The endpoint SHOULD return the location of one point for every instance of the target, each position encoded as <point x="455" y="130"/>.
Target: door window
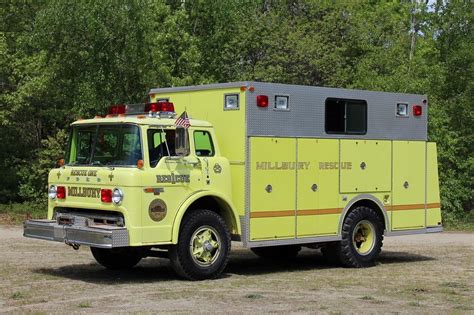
<point x="203" y="143"/>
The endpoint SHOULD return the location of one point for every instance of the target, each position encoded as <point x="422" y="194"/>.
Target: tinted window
<point x="346" y="116"/>
<point x="203" y="143"/>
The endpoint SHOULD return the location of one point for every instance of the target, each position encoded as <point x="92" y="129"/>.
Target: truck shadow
<point x="241" y="262"/>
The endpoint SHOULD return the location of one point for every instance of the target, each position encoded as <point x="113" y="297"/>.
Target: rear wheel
<point x="362" y="238"/>
<point x="203" y="248"/>
<point x="277" y="252"/>
<point x="116" y="258"/>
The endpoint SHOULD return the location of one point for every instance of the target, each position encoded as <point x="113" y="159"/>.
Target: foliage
<point x="64" y="59"/>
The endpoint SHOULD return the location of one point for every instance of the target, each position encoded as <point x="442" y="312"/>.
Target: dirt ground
<point x="415" y="274"/>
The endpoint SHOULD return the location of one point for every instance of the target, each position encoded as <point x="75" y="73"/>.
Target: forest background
<point x="65" y="59"/>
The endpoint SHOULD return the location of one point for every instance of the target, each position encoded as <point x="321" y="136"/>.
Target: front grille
<point x="70" y="216"/>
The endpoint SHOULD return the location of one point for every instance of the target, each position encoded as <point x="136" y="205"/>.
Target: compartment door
<point x="370" y="163"/>
<point x="317" y="194"/>
<point x="272" y="188"/>
<point x="408" y="201"/>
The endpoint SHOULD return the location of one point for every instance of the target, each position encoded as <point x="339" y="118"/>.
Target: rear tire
<point x="284" y="252"/>
<point x="203" y="248"/>
<point x="116" y="258"/>
<point x="362" y="238"/>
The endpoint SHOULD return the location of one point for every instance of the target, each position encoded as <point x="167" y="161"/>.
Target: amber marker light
<point x="243" y="88"/>
<point x="60" y="162"/>
<point x="140" y="164"/>
<point x="251" y="89"/>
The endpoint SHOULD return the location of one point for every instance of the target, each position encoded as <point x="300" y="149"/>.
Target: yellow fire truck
<point x="274" y="166"/>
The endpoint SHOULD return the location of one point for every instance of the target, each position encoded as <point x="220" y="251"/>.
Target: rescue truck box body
<point x="280" y="164"/>
<point x="315" y="176"/>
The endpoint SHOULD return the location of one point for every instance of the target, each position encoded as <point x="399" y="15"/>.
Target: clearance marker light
<point x="262" y="101"/>
<point x="417" y="110"/>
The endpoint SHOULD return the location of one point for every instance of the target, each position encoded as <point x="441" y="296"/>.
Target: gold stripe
<point x="287" y="213"/>
<point x="272" y="214"/>
<point x="320" y="211"/>
<point x="419" y="206"/>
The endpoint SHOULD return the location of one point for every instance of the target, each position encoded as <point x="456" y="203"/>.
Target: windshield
<point x="111" y="145"/>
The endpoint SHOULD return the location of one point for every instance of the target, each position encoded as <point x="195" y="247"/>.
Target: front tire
<point x="116" y="258"/>
<point x="362" y="238"/>
<point x="203" y="248"/>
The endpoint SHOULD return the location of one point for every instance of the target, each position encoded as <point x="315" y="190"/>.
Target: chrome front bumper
<point x="100" y="235"/>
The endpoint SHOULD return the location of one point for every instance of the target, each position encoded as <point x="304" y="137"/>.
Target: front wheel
<point x="203" y="248"/>
<point x="362" y="238"/>
<point x="116" y="258"/>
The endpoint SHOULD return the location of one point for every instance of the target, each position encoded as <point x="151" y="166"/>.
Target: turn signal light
<point x="61" y="192"/>
<point x="262" y="101"/>
<point x="105" y="195"/>
<point x="417" y="110"/>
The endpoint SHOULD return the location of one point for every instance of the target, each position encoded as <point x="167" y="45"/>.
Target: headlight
<point x="52" y="192"/>
<point x="117" y="196"/>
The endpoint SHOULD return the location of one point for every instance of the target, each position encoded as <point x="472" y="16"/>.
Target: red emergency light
<point x="417" y="110"/>
<point x="117" y="109"/>
<point x="262" y="101"/>
<point x="159" y="107"/>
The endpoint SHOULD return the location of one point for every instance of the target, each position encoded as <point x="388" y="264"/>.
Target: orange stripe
<point x="287" y="213"/>
<point x="271" y="214"/>
<point x="319" y="211"/>
<point x="419" y="206"/>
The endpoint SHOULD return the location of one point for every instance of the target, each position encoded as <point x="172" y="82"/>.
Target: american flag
<point x="183" y="120"/>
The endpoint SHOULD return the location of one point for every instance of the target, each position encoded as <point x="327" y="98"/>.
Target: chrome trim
<point x="102" y="236"/>
<point x="292" y="241"/>
<point x="434" y="229"/>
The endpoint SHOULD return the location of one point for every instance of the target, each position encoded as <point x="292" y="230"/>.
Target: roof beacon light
<point x="116" y="109"/>
<point x="262" y="101"/>
<point x="159" y="107"/>
<point x="417" y="110"/>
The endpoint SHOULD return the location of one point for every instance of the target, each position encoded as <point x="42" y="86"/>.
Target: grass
<point x="18" y="295"/>
<point x="465" y="224"/>
<point x="84" y="305"/>
<point x="254" y="296"/>
<point x="16" y="213"/>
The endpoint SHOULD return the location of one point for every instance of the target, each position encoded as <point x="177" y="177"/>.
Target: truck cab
<point x="127" y="180"/>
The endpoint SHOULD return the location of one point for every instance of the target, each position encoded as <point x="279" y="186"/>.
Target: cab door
<point x="167" y="182"/>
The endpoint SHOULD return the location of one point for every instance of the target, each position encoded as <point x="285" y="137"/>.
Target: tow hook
<point x="73" y="245"/>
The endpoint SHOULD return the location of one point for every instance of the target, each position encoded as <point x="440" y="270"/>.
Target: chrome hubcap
<point x="205" y="246"/>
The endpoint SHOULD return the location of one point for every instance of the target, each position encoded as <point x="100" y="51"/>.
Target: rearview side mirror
<point x="182" y="142"/>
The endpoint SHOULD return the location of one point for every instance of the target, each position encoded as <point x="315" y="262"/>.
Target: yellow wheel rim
<point x="363" y="237"/>
<point x="205" y="246"/>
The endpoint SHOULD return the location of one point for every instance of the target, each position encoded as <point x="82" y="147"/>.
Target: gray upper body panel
<point x="306" y="114"/>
